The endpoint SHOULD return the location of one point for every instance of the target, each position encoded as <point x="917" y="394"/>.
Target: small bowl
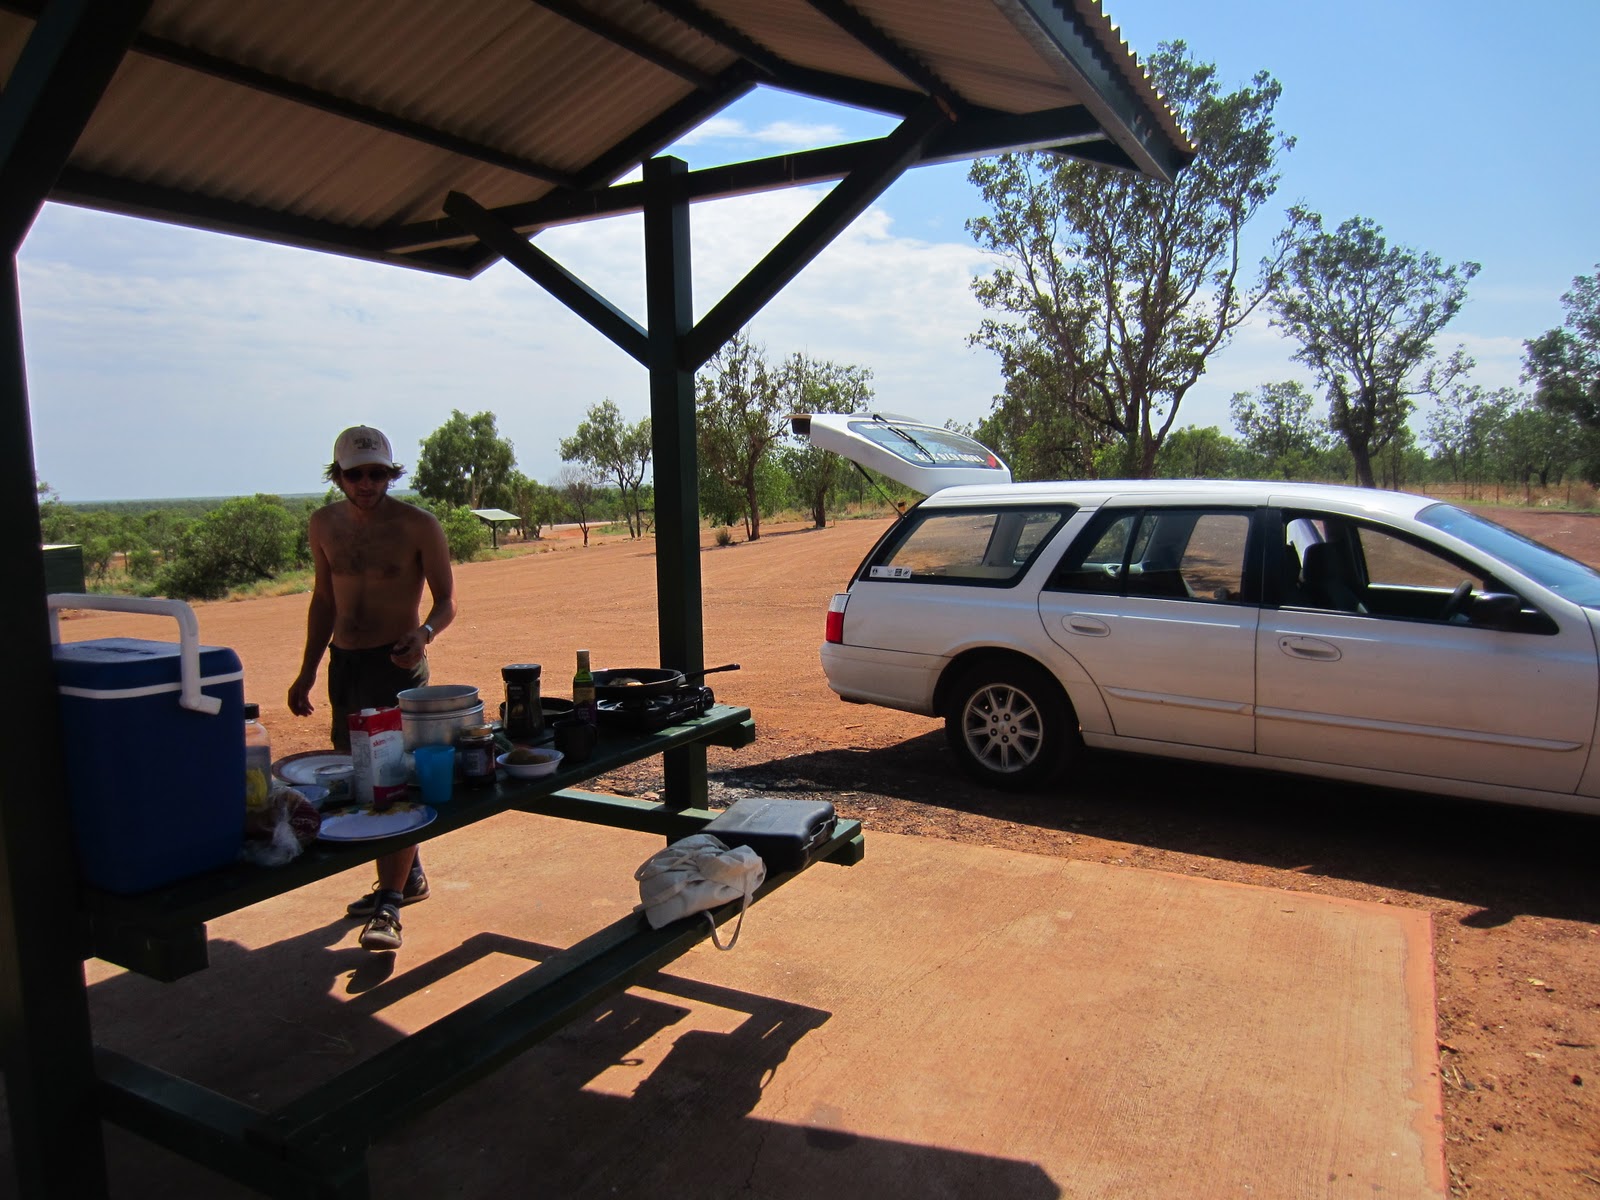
<point x="316" y="795"/>
<point x="549" y="760"/>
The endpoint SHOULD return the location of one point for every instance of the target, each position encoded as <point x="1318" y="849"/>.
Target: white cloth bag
<point x="694" y="874"/>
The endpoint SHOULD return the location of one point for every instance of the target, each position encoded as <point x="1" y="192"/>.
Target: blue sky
<point x="165" y="362"/>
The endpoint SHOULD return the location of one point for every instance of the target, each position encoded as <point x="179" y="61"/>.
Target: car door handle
<point x="1304" y="647"/>
<point x="1088" y="626"/>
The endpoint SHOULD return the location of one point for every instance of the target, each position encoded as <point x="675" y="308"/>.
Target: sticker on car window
<point x="890" y="573"/>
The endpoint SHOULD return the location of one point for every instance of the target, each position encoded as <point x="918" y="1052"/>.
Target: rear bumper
<point x="891" y="678"/>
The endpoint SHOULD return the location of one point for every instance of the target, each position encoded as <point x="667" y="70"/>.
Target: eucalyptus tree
<point x="1366" y="314"/>
<point x="742" y="416"/>
<point x="617" y="451"/>
<point x="1564" y="363"/>
<point x="465" y="461"/>
<point x="536" y="504"/>
<point x="1111" y="290"/>
<point x="810" y="386"/>
<point x="1463" y="427"/>
<point x="1277" y="424"/>
<point x="1196" y="453"/>
<point x="580" y="496"/>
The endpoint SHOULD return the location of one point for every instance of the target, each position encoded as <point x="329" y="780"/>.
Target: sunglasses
<point x="376" y="474"/>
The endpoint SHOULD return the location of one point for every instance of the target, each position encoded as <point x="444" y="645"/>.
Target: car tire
<point x="1010" y="724"/>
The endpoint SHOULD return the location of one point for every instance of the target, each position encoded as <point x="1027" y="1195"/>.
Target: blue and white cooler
<point x="154" y="734"/>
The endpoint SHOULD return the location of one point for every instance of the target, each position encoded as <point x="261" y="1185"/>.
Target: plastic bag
<point x="278" y="831"/>
<point x="694" y="874"/>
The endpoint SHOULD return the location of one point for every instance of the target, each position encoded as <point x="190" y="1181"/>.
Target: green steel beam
<point x="778" y="71"/>
<point x="74" y="49"/>
<point x="626" y="39"/>
<point x="669" y="307"/>
<point x="59" y="77"/>
<point x="549" y="274"/>
<point x="229" y="71"/>
<point x="203" y="1126"/>
<point x="135" y="198"/>
<point x="44" y="1013"/>
<point x="1070" y="130"/>
<point x="812" y="235"/>
<point x="1055" y="26"/>
<point x="659" y="133"/>
<point x="910" y="68"/>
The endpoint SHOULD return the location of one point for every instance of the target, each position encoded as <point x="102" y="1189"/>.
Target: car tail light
<point x="835" y="631"/>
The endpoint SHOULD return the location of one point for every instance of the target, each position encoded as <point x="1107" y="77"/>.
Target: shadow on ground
<point x="588" y="1112"/>
<point x="1501" y="860"/>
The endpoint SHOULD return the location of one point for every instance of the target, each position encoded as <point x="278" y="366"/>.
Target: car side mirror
<point x="1493" y="608"/>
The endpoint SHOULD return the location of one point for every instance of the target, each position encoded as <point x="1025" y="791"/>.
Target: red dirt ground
<point x="1511" y="892"/>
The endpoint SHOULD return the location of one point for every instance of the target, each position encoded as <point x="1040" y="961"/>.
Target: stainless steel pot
<point x="433" y="715"/>
<point x="437" y="697"/>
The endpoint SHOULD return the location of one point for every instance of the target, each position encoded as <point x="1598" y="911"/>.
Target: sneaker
<point x="416" y="890"/>
<point x="383" y="930"/>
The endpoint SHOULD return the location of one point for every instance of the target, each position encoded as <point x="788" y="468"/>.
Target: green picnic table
<point x="315" y="1145"/>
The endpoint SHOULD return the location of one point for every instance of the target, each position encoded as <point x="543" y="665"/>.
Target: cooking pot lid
<point x="441" y="697"/>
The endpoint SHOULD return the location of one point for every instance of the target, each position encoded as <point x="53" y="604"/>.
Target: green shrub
<point x="463" y="533"/>
<point x="236" y="543"/>
<point x="724" y="536"/>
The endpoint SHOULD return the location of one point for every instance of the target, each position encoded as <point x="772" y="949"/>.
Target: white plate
<point x="302" y="768"/>
<point x="364" y="825"/>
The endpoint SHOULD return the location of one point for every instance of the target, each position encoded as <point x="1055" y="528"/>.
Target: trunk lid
<point x="923" y="457"/>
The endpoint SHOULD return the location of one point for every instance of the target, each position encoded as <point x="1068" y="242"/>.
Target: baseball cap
<point x="360" y="446"/>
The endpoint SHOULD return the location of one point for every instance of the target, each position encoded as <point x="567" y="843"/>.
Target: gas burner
<point x="652" y="713"/>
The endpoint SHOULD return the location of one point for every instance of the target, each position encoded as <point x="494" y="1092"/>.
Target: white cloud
<point x="170" y="363"/>
<point x="790" y="135"/>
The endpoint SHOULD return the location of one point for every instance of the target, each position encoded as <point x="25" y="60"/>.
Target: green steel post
<point x="44" y="1012"/>
<point x="55" y="83"/>
<point x="669" y="315"/>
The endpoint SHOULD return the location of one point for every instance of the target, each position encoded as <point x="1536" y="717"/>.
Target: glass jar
<point x="475" y="756"/>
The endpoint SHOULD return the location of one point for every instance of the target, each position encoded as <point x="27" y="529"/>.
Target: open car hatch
<point x="925" y="458"/>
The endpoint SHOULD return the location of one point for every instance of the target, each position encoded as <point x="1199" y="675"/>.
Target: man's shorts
<point x="360" y="679"/>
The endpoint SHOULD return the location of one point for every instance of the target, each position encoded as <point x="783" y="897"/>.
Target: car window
<point x="1392" y="562"/>
<point x="1359" y="568"/>
<point x="990" y="547"/>
<point x="1181" y="554"/>
<point x="1565" y="576"/>
<point x="1212" y="565"/>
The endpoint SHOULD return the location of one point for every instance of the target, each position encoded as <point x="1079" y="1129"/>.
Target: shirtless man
<point x="372" y="554"/>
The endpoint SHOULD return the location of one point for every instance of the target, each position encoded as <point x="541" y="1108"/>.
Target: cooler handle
<point x="190" y="696"/>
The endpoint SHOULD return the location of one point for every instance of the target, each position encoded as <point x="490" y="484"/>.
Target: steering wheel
<point x="1457" y="602"/>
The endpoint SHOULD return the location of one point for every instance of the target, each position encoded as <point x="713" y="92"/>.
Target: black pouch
<point x="785" y="833"/>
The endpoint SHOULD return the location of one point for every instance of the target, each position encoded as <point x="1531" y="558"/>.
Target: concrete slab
<point x="941" y="1020"/>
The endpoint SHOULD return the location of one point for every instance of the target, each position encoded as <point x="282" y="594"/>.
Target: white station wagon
<point x="1363" y="635"/>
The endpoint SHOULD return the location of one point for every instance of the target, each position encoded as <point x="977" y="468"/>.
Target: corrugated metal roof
<point x="336" y="125"/>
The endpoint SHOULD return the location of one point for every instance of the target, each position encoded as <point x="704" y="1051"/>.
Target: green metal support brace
<point x="70" y="56"/>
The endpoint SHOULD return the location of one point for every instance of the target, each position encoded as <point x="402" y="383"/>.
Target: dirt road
<point x="1512" y="893"/>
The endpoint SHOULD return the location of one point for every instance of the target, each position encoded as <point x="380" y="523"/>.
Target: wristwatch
<point x="429" y="630"/>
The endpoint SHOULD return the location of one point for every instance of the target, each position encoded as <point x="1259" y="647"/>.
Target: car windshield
<point x="1567" y="577"/>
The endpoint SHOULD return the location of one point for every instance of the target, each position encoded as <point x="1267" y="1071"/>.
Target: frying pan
<point x="653" y="681"/>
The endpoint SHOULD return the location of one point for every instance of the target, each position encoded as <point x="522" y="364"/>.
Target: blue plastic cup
<point x="436" y="769"/>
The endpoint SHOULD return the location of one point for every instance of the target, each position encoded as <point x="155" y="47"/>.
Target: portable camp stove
<point x="651" y="713"/>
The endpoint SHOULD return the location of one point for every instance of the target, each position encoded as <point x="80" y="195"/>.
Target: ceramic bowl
<point x="316" y="795"/>
<point x="549" y="760"/>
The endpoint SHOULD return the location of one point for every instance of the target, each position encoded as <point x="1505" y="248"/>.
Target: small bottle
<point x="257" y="760"/>
<point x="583" y="705"/>
<point x="475" y="756"/>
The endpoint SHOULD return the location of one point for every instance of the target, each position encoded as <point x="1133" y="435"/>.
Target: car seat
<point x="1326" y="582"/>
